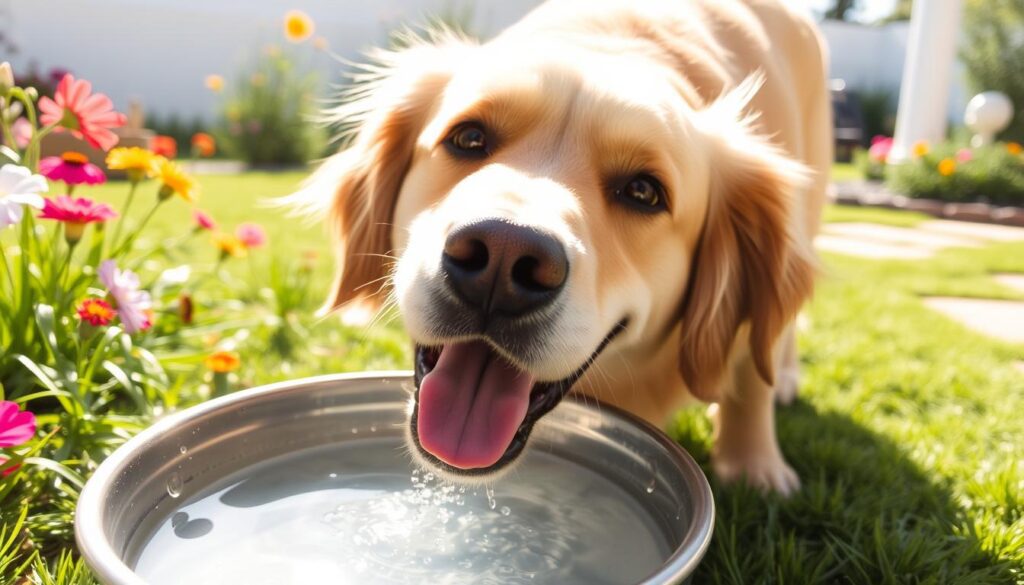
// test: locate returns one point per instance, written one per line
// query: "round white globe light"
(988, 114)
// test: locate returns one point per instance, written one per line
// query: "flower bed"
(951, 173)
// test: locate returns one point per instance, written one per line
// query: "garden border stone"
(875, 194)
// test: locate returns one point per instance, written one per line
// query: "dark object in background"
(847, 121)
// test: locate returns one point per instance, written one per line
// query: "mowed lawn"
(908, 434)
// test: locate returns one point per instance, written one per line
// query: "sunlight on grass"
(850, 213)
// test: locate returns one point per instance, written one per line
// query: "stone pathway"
(869, 240)
(1001, 319)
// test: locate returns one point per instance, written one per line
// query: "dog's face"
(544, 206)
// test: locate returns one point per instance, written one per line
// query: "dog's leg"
(787, 376)
(745, 444)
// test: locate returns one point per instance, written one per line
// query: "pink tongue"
(471, 405)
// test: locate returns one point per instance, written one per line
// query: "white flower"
(133, 305)
(18, 187)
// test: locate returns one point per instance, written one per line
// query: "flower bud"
(6, 77)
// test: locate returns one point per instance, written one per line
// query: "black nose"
(500, 267)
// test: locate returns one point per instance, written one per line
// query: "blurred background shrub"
(267, 116)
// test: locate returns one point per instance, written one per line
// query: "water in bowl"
(357, 513)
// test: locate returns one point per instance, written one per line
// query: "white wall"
(871, 58)
(159, 51)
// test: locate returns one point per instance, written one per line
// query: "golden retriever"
(615, 198)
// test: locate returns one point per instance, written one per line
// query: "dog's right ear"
(358, 187)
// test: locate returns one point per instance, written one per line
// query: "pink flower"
(964, 155)
(72, 168)
(251, 235)
(22, 131)
(76, 210)
(75, 213)
(16, 426)
(880, 147)
(203, 221)
(85, 114)
(134, 306)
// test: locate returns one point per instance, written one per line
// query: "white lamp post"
(924, 91)
(988, 114)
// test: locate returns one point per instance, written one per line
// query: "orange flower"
(947, 167)
(1014, 148)
(204, 144)
(214, 83)
(164, 146)
(919, 149)
(96, 312)
(229, 245)
(222, 362)
(298, 26)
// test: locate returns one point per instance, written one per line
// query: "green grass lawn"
(908, 433)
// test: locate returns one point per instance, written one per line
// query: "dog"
(612, 198)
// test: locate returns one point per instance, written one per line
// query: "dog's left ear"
(359, 186)
(750, 270)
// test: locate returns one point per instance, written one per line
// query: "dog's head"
(543, 205)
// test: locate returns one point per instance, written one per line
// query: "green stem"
(126, 246)
(124, 214)
(7, 269)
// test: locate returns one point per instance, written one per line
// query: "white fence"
(159, 51)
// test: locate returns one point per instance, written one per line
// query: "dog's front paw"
(787, 385)
(767, 472)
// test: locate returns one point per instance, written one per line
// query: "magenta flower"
(251, 235)
(964, 155)
(75, 213)
(134, 306)
(85, 114)
(16, 426)
(72, 168)
(880, 147)
(203, 221)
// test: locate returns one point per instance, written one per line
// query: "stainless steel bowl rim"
(108, 566)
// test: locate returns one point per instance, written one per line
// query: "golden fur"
(725, 101)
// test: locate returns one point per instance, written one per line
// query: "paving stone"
(1001, 319)
(869, 249)
(980, 231)
(900, 236)
(1015, 281)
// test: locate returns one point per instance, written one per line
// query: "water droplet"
(373, 428)
(332, 475)
(183, 449)
(174, 485)
(355, 431)
(427, 560)
(650, 486)
(491, 503)
(505, 510)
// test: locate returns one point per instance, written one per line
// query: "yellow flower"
(919, 149)
(137, 163)
(229, 245)
(1014, 148)
(176, 181)
(222, 362)
(214, 83)
(947, 167)
(298, 26)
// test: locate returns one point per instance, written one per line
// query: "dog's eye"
(468, 138)
(643, 191)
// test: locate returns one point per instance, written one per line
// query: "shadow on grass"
(865, 514)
